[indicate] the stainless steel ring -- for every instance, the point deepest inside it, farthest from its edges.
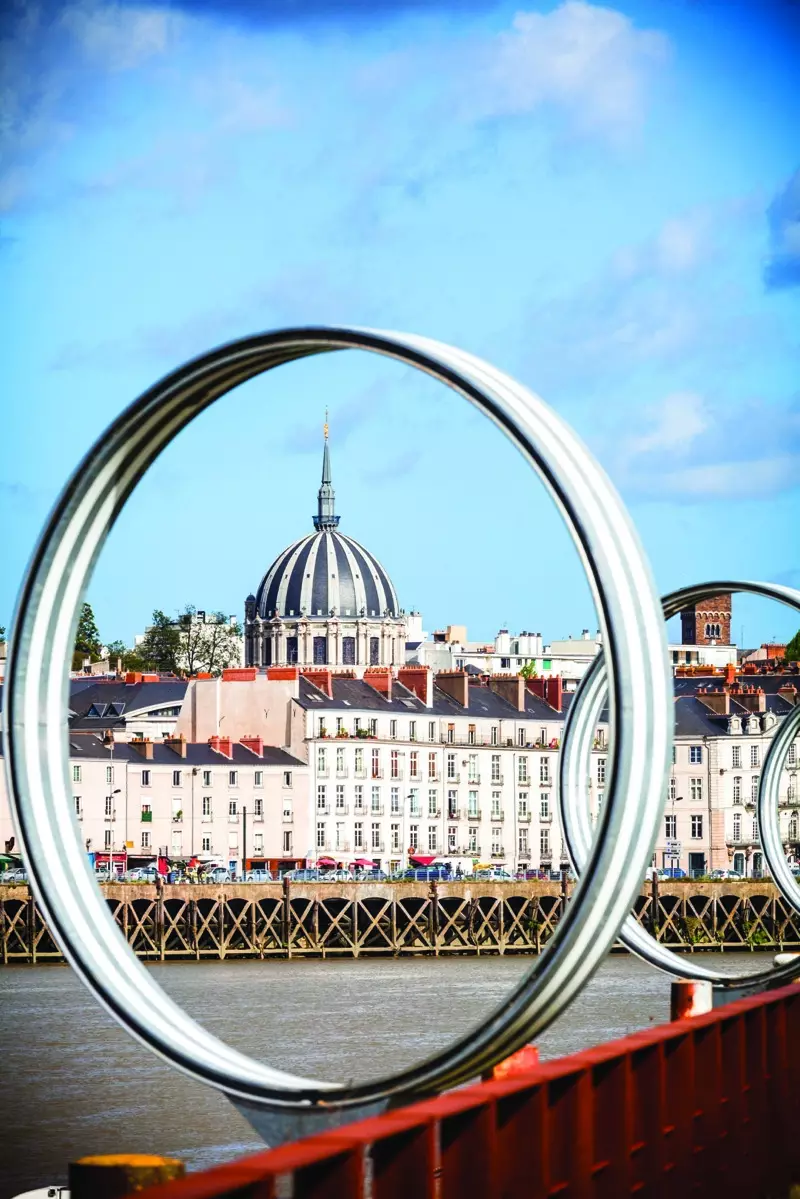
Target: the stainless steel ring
(573, 797)
(36, 688)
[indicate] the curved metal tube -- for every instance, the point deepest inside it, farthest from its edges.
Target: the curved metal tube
(37, 688)
(573, 798)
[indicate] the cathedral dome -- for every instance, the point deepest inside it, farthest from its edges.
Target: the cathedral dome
(326, 574)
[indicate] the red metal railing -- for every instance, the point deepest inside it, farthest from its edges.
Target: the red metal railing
(704, 1106)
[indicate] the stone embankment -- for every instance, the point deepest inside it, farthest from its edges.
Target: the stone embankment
(395, 919)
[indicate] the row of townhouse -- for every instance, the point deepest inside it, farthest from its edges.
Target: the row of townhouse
(237, 803)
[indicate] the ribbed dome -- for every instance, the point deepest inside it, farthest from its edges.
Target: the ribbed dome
(326, 573)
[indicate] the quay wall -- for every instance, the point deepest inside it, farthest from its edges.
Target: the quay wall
(277, 920)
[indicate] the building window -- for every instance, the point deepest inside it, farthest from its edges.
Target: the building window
(258, 808)
(176, 778)
(359, 762)
(233, 809)
(206, 843)
(340, 760)
(358, 835)
(523, 805)
(376, 763)
(108, 802)
(696, 789)
(452, 805)
(522, 841)
(320, 836)
(145, 839)
(287, 841)
(258, 778)
(496, 776)
(339, 843)
(431, 730)
(433, 840)
(497, 805)
(320, 651)
(109, 774)
(145, 778)
(349, 651)
(413, 764)
(374, 651)
(393, 730)
(497, 841)
(755, 828)
(493, 735)
(339, 724)
(322, 728)
(791, 759)
(544, 807)
(358, 797)
(452, 838)
(472, 804)
(523, 770)
(233, 778)
(76, 774)
(544, 842)
(601, 772)
(695, 755)
(206, 778)
(544, 770)
(451, 766)
(671, 827)
(697, 827)
(754, 788)
(373, 727)
(322, 797)
(339, 797)
(376, 799)
(472, 840)
(520, 736)
(287, 778)
(291, 651)
(433, 803)
(472, 769)
(78, 808)
(258, 845)
(737, 788)
(206, 805)
(451, 733)
(505, 663)
(755, 759)
(414, 806)
(394, 800)
(471, 734)
(736, 757)
(431, 766)
(737, 826)
(395, 834)
(673, 790)
(600, 737)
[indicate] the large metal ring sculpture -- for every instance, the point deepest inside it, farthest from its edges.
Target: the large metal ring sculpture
(35, 715)
(573, 798)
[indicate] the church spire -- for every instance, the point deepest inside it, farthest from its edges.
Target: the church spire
(325, 518)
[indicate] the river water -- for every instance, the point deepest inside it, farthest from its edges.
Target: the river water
(73, 1083)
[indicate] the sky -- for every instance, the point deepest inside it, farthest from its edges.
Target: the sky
(603, 201)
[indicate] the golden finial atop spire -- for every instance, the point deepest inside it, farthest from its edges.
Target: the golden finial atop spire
(325, 426)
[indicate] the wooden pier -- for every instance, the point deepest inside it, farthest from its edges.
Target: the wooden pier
(295, 920)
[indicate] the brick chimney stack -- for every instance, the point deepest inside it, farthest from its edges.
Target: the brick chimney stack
(143, 747)
(718, 702)
(222, 745)
(550, 689)
(454, 683)
(320, 678)
(380, 679)
(254, 744)
(788, 692)
(510, 687)
(177, 745)
(418, 679)
(752, 698)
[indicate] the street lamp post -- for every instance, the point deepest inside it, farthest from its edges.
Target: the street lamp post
(244, 841)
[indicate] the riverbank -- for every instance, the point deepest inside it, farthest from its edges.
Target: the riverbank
(380, 920)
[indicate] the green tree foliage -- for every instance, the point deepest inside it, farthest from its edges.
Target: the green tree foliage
(528, 671)
(87, 639)
(210, 644)
(160, 648)
(793, 649)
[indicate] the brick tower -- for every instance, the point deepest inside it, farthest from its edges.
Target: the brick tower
(708, 622)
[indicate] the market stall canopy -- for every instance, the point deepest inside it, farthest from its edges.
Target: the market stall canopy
(422, 859)
(363, 862)
(326, 861)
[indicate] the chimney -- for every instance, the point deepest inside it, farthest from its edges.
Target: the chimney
(788, 692)
(718, 702)
(221, 745)
(510, 687)
(239, 674)
(454, 683)
(133, 677)
(550, 689)
(321, 679)
(254, 744)
(282, 673)
(418, 679)
(730, 674)
(753, 698)
(380, 679)
(177, 745)
(143, 747)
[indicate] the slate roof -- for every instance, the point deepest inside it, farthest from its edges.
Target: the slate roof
(197, 754)
(361, 697)
(103, 705)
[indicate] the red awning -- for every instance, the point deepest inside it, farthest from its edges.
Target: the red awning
(363, 862)
(423, 859)
(326, 861)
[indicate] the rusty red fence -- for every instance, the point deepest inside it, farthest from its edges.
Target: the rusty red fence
(707, 1106)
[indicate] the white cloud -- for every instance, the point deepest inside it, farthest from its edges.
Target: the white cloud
(120, 38)
(754, 479)
(589, 60)
(677, 422)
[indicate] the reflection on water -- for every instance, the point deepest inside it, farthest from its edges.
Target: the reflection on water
(72, 1082)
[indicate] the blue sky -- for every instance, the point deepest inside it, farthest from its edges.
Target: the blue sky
(605, 201)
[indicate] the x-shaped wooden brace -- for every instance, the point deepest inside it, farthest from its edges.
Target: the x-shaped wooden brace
(368, 923)
(415, 932)
(336, 928)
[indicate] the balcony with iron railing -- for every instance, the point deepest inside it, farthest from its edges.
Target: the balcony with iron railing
(343, 773)
(323, 772)
(360, 773)
(473, 814)
(376, 772)
(288, 818)
(377, 810)
(325, 810)
(341, 809)
(498, 853)
(524, 855)
(546, 817)
(496, 817)
(524, 817)
(453, 778)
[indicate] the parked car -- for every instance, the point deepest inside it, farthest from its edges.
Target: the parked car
(141, 874)
(259, 876)
(14, 876)
(423, 874)
(370, 876)
(494, 875)
(672, 872)
(302, 876)
(216, 875)
(727, 874)
(336, 876)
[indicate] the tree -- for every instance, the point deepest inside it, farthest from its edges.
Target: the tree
(793, 649)
(160, 647)
(87, 638)
(528, 671)
(207, 643)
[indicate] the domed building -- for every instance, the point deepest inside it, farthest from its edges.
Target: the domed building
(325, 601)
